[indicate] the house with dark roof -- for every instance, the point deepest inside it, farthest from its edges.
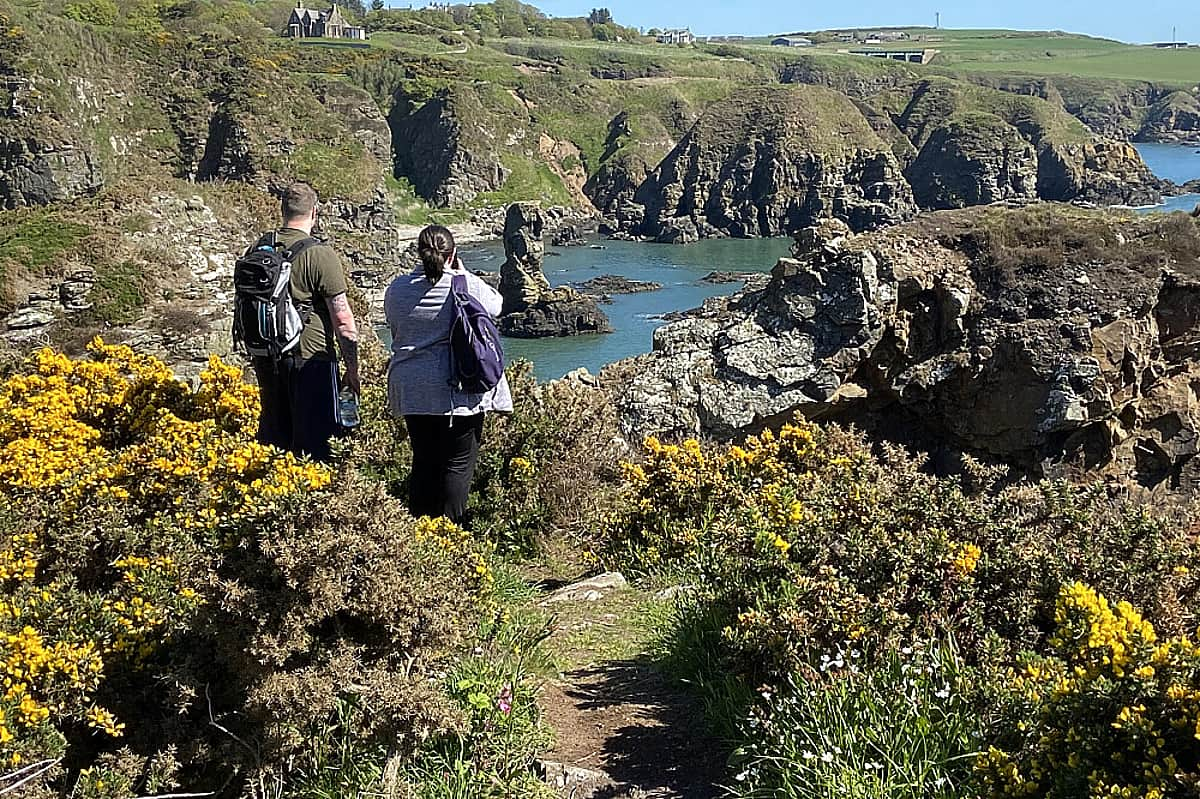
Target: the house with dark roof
(310, 23)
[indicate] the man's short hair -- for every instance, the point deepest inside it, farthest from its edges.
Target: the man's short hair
(299, 200)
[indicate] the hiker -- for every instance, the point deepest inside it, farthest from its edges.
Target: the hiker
(290, 333)
(445, 424)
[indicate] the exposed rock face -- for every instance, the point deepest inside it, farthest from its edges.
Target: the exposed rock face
(973, 160)
(1174, 118)
(430, 149)
(970, 139)
(1101, 171)
(770, 161)
(34, 171)
(920, 334)
(531, 308)
(522, 281)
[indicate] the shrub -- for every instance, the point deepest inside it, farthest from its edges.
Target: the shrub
(551, 465)
(213, 605)
(93, 12)
(1110, 711)
(804, 539)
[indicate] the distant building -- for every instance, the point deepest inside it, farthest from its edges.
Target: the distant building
(1170, 45)
(309, 23)
(676, 36)
(847, 37)
(791, 41)
(910, 56)
(726, 39)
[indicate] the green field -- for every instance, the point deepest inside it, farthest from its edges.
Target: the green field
(1048, 53)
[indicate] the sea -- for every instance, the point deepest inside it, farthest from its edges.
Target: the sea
(681, 270)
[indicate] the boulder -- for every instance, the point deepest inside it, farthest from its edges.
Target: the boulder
(1069, 345)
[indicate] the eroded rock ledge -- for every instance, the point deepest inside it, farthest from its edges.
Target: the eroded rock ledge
(1044, 338)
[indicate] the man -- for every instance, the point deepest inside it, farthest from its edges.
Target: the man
(300, 390)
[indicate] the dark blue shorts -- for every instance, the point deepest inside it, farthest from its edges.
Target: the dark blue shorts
(299, 404)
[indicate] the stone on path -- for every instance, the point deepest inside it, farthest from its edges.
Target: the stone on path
(589, 590)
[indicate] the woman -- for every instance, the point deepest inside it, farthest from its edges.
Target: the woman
(444, 426)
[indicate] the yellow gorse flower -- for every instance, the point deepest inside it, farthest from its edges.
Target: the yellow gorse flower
(117, 432)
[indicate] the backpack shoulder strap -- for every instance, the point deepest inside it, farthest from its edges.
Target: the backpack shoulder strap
(302, 245)
(269, 238)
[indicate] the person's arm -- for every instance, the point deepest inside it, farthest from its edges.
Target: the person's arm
(488, 297)
(347, 335)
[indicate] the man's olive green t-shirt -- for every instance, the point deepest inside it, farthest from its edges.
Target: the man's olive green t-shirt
(316, 276)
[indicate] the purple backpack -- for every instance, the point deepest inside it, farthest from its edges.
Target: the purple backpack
(476, 359)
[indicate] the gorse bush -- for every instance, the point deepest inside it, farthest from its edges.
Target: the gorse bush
(550, 466)
(1110, 711)
(804, 540)
(181, 606)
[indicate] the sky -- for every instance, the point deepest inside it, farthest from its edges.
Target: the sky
(1127, 21)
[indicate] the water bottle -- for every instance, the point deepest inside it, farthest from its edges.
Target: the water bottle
(348, 408)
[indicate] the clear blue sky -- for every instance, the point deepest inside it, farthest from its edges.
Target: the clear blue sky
(1128, 21)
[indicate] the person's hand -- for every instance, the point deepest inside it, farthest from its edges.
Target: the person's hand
(351, 380)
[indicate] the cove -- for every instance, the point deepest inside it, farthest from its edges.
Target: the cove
(1177, 162)
(679, 268)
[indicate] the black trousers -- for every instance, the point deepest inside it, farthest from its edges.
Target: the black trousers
(444, 456)
(299, 404)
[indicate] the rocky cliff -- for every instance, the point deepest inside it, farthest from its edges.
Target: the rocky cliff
(976, 142)
(1047, 339)
(772, 160)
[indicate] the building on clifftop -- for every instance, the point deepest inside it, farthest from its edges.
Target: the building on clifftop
(309, 23)
(676, 36)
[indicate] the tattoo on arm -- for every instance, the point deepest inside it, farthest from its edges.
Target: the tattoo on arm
(347, 329)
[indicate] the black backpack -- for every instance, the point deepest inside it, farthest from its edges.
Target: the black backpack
(266, 320)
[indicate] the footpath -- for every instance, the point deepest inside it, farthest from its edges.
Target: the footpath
(622, 730)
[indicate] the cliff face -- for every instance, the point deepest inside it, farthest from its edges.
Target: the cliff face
(1046, 338)
(978, 142)
(1102, 171)
(973, 159)
(769, 161)
(1125, 110)
(431, 151)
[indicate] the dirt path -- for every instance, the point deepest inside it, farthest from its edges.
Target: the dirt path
(622, 730)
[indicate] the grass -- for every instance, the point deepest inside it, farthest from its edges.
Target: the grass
(620, 626)
(36, 239)
(119, 293)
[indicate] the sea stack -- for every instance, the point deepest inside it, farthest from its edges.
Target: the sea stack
(531, 308)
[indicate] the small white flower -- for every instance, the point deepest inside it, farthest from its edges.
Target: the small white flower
(944, 693)
(873, 766)
(906, 650)
(808, 755)
(741, 777)
(827, 757)
(854, 653)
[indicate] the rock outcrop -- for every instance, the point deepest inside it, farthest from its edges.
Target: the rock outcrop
(1047, 339)
(769, 161)
(532, 309)
(37, 171)
(432, 150)
(977, 142)
(974, 159)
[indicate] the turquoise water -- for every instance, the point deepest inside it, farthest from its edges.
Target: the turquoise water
(1176, 162)
(634, 317)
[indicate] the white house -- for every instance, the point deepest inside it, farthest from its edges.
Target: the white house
(676, 36)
